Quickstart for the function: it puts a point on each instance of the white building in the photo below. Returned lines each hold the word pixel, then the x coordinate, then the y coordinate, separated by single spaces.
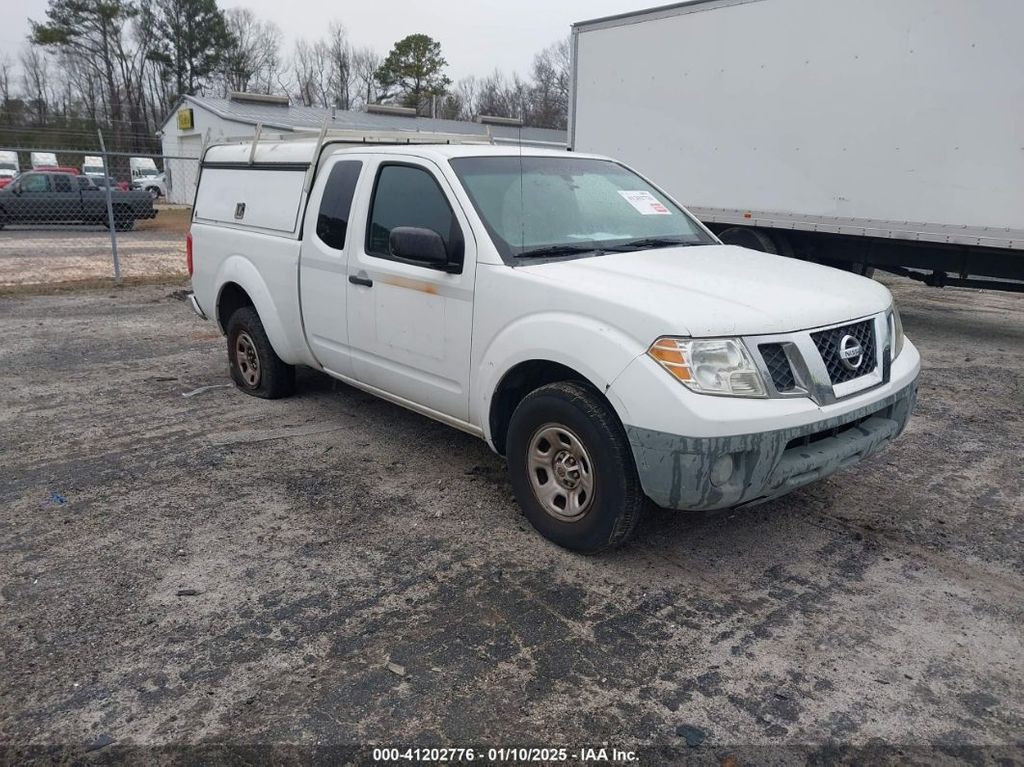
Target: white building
pixel 198 120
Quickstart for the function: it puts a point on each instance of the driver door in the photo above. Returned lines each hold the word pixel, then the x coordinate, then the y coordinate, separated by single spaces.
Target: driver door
pixel 410 323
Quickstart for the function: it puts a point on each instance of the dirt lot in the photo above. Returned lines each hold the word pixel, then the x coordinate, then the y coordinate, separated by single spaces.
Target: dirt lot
pixel 331 569
pixel 36 255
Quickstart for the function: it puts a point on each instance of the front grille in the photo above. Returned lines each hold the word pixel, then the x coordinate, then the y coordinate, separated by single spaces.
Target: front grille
pixel 829 342
pixel 777 362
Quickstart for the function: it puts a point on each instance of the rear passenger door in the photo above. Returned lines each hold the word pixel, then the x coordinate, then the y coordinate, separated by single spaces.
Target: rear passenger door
pixel 410 323
pixel 323 263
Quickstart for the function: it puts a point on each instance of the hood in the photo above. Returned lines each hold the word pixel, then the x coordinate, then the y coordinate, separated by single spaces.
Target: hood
pixel 719 290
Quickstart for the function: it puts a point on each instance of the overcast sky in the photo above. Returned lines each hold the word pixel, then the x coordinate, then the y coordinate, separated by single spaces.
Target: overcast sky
pixel 476 35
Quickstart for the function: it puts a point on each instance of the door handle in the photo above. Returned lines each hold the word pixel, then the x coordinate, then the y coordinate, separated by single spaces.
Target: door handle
pixel 357 280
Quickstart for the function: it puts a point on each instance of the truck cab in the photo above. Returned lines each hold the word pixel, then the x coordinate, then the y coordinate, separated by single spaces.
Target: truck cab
pixel 559 306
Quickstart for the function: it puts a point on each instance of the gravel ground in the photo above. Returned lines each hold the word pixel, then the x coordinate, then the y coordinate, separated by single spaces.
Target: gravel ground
pixel 37 256
pixel 331 569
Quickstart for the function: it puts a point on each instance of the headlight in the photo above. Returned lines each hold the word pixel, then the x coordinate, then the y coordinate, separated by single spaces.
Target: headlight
pixel 895 331
pixel 709 366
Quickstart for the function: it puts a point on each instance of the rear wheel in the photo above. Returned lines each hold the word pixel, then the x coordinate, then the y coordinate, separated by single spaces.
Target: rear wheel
pixel 255 367
pixel 154 192
pixel 572 469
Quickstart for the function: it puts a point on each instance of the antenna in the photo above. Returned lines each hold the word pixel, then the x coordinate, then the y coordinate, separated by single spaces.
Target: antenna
pixel 522 195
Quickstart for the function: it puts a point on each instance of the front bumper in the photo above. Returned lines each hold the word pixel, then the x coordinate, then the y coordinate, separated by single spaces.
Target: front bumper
pixel 676 472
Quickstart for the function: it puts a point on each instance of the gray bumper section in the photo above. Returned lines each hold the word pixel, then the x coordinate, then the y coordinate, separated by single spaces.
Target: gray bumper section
pixel 676 471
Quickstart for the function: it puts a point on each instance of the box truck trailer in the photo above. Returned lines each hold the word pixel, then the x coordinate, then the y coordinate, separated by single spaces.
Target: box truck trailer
pixel 8 164
pixel 43 160
pixel 863 135
pixel 93 166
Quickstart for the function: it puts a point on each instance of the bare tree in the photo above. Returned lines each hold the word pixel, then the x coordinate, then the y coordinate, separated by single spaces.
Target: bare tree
pixel 549 91
pixel 342 77
pixel 35 79
pixel 312 74
pixel 502 96
pixel 253 63
pixel 365 63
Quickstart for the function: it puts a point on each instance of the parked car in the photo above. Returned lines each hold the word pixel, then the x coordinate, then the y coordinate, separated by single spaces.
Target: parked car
pixel 66 198
pixel 104 181
pixel 559 306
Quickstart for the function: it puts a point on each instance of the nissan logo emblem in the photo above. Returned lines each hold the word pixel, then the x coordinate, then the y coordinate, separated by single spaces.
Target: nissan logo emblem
pixel 851 353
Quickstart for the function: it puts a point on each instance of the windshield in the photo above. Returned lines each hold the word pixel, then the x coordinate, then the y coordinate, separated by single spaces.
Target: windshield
pixel 540 207
pixel 147 172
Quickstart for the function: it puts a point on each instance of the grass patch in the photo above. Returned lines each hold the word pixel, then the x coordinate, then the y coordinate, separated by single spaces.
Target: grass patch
pixel 167 220
pixel 107 283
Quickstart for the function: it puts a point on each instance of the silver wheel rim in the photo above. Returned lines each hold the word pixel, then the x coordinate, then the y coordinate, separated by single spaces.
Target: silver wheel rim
pixel 561 473
pixel 248 360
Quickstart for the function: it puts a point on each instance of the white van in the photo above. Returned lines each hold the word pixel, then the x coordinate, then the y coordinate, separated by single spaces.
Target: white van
pixel 557 305
pixel 93 166
pixel 8 165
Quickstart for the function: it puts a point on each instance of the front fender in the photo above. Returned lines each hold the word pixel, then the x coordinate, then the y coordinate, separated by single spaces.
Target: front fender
pixel 240 270
pixel 590 346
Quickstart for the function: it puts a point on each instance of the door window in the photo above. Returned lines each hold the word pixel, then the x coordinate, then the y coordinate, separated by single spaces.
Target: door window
pixel 409 196
pixel 332 221
pixel 35 182
pixel 61 183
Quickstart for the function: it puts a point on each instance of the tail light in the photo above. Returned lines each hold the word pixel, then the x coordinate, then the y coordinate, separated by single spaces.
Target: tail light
pixel 188 253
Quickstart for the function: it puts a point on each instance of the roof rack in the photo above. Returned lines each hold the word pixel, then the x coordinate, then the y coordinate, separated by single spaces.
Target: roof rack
pixel 301 150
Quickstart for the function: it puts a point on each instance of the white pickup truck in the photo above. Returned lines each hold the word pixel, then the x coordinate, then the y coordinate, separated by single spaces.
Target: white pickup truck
pixel 557 305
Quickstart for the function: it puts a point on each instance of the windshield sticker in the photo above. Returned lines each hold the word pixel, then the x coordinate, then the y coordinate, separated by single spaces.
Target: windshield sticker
pixel 645 203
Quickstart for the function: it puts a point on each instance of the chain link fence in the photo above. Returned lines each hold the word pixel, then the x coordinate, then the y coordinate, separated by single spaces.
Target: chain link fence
pixel 73 215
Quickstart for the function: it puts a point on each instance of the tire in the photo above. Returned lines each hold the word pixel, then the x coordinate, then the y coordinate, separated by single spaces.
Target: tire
pixel 123 221
pixel 154 193
pixel 748 237
pixel 573 416
pixel 263 374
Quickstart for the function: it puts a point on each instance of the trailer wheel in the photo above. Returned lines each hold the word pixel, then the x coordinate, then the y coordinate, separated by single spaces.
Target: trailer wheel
pixel 748 237
pixel 255 367
pixel 572 468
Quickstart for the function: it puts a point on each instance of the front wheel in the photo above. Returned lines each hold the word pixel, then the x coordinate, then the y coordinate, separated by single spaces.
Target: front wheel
pixel 572 469
pixel 255 367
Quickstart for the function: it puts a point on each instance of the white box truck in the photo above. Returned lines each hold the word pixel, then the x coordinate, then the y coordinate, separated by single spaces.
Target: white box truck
pixel 42 160
pixel 8 165
pixel 559 306
pixel 864 134
pixel 92 165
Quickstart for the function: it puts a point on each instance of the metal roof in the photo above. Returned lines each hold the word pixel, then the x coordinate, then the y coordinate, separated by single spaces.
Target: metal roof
pixel 296 117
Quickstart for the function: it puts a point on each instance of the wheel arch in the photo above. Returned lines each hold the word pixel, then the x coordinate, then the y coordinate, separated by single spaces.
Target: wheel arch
pixel 523 378
pixel 241 284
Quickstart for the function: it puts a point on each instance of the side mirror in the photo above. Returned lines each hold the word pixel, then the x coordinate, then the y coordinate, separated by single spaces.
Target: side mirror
pixel 412 243
pixel 16 189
